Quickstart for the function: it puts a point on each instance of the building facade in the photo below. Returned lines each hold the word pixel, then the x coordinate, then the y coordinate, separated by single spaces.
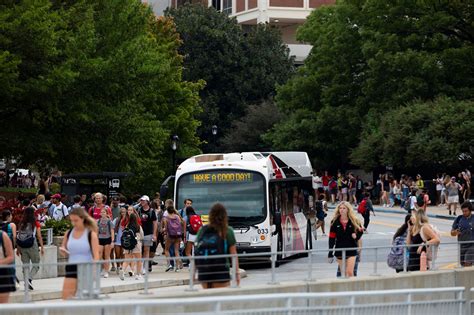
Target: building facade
pixel 286 15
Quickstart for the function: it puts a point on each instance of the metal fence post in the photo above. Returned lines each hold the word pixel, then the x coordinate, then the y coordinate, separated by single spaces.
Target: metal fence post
pixel 375 273
pixel 409 304
pixel 433 257
pixel 273 257
pixel 343 265
pixel 146 263
pixel 352 304
pixel 310 265
pixel 460 299
pixel 233 283
pixel 459 255
pixel 26 276
pixel 95 285
pixel 192 271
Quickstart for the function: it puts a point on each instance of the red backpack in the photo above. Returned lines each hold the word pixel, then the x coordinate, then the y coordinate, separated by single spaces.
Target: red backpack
pixel 195 224
pixel 362 206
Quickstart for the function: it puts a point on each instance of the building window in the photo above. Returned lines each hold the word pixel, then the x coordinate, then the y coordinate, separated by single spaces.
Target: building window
pixel 216 4
pixel 227 7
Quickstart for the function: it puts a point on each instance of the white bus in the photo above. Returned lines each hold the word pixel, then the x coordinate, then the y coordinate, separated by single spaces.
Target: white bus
pixel 267 196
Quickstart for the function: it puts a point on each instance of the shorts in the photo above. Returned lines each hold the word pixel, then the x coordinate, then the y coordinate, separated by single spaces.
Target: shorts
pixel 453 199
pixel 71 271
pixel 136 250
pixel 147 240
pixel 344 190
pixel 191 238
pixel 213 274
pixel 7 279
pixel 352 191
pixel 334 191
pixel 105 241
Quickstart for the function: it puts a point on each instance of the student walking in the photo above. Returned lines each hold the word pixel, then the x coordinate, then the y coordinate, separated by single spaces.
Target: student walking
pixel 106 238
pixel 175 229
pixel 193 225
pixel 7 272
pixel 397 256
pixel 364 209
pixel 321 213
pixel 421 233
pixel 463 228
pixel 345 232
pixel 216 238
pixel 132 243
pixel 81 245
pixel 119 225
pixel 27 238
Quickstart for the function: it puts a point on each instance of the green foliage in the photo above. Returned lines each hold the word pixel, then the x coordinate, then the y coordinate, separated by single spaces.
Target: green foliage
pixel 240 67
pixel 420 134
pixel 94 86
pixel 59 227
pixel 246 133
pixel 370 57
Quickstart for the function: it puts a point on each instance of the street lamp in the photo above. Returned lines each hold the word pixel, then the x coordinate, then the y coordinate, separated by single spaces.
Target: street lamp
pixel 214 134
pixel 174 147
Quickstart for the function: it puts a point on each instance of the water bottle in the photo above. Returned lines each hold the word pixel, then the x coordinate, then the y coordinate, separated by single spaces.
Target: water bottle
pixel 423 262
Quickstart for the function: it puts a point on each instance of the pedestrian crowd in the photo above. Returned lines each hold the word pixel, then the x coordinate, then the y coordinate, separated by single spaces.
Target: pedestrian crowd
pixel 124 234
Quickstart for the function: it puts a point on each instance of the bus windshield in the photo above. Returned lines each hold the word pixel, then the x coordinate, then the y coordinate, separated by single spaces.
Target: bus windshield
pixel 241 192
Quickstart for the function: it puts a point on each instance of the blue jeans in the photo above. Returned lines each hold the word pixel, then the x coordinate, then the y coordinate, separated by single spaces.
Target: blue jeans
pixel 405 193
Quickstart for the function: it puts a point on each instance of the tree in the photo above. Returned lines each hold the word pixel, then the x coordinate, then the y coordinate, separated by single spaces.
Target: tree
pixel 239 68
pixel 95 86
pixel 369 57
pixel 246 133
pixel 420 134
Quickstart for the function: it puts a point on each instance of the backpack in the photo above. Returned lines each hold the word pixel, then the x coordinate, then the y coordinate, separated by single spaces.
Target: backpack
pixel 318 206
pixel 395 258
pixel 208 244
pixel 333 184
pixel 420 200
pixel 362 208
pixel 25 238
pixel 128 239
pixel 195 224
pixel 431 252
pixel 174 227
pixel 407 205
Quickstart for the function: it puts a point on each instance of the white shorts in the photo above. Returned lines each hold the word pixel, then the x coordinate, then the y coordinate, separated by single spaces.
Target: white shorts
pixel 191 238
pixel 453 199
pixel 148 240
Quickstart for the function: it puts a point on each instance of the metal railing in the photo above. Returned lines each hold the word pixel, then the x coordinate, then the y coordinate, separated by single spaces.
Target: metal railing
pixel 373 262
pixel 408 301
pixel 47 235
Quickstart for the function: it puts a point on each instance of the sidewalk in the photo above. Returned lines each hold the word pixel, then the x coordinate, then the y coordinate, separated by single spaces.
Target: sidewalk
pixel 431 211
pixel 51 289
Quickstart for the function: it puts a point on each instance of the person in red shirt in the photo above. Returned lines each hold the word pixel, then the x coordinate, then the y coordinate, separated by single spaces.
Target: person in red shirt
pixel 99 204
pixel 326 178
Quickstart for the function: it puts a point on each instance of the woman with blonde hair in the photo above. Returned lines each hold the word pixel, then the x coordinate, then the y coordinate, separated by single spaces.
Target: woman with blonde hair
pixel 345 232
pixel 81 244
pixel 421 233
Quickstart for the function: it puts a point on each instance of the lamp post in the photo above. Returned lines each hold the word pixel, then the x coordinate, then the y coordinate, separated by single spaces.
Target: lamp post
pixel 214 134
pixel 174 147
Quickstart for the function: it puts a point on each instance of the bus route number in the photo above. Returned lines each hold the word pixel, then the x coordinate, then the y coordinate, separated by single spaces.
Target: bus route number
pixel 262 231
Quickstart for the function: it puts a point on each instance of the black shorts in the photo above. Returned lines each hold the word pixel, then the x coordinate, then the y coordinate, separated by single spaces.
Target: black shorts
pixel 213 274
pixel 7 279
pixel 71 271
pixel 105 241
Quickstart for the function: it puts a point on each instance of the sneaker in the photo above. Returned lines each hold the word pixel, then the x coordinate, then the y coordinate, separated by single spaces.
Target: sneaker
pixel 119 270
pixel 113 269
pixel 176 269
pixel 154 263
pixel 130 273
pixel 169 268
pixel 121 275
pixel 30 284
pixel 138 277
pixel 106 275
pixel 150 269
pixel 449 212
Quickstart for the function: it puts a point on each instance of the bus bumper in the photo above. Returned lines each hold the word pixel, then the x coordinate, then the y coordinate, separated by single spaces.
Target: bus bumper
pixel 264 250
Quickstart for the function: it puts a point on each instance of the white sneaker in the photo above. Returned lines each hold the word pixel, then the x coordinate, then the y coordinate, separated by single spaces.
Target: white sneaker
pixel 138 277
pixel 176 269
pixel 121 275
pixel 106 275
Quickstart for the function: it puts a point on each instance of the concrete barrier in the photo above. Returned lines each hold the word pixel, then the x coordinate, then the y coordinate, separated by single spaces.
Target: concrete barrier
pixel 49 271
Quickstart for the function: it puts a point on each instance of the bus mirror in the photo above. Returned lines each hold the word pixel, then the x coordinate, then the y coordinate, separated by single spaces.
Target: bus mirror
pixel 163 191
pixel 277 218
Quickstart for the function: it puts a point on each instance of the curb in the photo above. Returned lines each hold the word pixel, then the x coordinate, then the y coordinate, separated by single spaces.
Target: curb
pixel 18 296
pixel 389 210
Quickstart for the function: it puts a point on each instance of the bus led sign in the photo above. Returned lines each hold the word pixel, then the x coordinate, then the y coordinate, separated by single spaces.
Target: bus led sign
pixel 236 177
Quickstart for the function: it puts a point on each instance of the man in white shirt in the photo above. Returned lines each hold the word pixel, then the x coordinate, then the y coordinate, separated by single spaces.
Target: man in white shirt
pixel 317 184
pixel 59 210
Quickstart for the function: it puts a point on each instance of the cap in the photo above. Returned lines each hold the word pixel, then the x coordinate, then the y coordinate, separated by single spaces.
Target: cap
pixel 56 196
pixel 145 197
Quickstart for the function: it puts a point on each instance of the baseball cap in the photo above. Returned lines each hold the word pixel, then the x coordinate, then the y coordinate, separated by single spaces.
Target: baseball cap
pixel 56 196
pixel 145 197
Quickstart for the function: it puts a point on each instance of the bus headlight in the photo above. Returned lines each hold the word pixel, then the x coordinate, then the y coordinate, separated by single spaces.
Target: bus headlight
pixel 258 239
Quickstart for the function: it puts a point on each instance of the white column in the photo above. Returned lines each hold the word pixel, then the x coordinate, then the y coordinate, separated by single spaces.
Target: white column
pixel 306 4
pixel 234 7
pixel 222 5
pixel 262 8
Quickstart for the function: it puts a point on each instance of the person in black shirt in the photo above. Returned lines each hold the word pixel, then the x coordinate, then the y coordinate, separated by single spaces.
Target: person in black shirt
pixel 149 225
pixel 346 230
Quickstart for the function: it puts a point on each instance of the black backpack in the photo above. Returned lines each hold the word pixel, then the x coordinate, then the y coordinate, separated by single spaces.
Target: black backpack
pixel 128 239
pixel 207 245
pixel 420 200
